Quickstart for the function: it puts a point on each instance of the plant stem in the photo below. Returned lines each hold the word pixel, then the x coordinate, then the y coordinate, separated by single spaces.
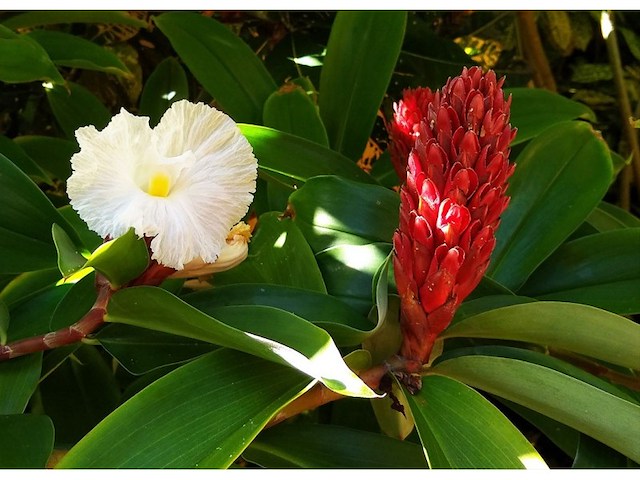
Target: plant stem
pixel 93 319
pixel 625 112
pixel 534 51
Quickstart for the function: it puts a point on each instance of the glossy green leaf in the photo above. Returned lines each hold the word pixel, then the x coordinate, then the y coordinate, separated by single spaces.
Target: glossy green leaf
pixel 605 417
pixel 75 304
pixel 43 17
pixel 344 324
pixel 279 255
pixel 23 161
pixel 294 160
pixel 167 84
pixel 349 270
pixel 18 380
pixel 22 59
pixel 362 52
pixel 459 428
pixel 203 414
pixel 27 441
pixel 25 223
pixel 568 326
pixel 611 217
pixel 291 110
pixel 140 350
pixel 51 154
pixel 331 446
pixel 69 259
pixel 73 51
pixel 27 285
pixel 74 106
pixel 221 62
pixel 542 359
pixel 485 304
pixel 534 110
pixel 267 332
pixel 333 211
pixel 90 240
pixel 79 393
pixel 560 178
pixel 121 259
pixel 602 270
pixel 4 322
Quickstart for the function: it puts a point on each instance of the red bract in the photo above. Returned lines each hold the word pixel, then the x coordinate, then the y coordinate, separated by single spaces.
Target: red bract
pixel 453 147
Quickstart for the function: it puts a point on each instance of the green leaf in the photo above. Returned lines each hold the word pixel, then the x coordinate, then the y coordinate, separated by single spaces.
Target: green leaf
pixel 534 110
pixel 69 259
pixel 593 454
pixel 362 52
pixel 278 255
pixel 79 393
pixel 4 322
pixel 568 326
pixel 35 19
pixel 25 222
pixel 18 380
pixel 610 217
pixel 607 418
pixel 75 107
pixel 22 59
pixel 459 428
pixel 560 178
pixel 24 162
pixel 72 51
pixel 140 350
pixel 331 446
pixel 602 270
pixel 167 84
pixel 291 110
pixel 267 332
pixel 294 160
pixel 203 414
pixel 349 270
pixel 392 422
pixel 121 259
pixel 32 317
pixel 27 442
pixel 27 285
pixel 344 324
pixel 221 62
pixel 632 40
pixel 51 154
pixel 90 240
pixel 333 211
pixel 75 304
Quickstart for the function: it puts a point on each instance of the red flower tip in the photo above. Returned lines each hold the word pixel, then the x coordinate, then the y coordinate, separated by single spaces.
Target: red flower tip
pixel 452 149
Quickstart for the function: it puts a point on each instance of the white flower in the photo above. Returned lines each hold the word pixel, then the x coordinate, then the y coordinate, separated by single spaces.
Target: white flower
pixel 185 183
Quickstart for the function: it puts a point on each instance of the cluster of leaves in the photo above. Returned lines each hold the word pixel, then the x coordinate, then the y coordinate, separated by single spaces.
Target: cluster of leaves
pixel 189 377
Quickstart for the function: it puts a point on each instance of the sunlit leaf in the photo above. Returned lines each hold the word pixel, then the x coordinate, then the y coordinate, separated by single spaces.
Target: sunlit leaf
pixel 203 414
pixel 461 429
pixel 605 417
pixel 568 326
pixel 362 51
pixel 560 178
pixel 223 64
pixel 267 332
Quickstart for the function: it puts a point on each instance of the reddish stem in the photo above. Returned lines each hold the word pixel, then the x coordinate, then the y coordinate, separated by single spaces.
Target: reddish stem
pixel 65 336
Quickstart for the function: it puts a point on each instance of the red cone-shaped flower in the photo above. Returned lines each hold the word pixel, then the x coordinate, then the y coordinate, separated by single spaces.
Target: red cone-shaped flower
pixel 454 147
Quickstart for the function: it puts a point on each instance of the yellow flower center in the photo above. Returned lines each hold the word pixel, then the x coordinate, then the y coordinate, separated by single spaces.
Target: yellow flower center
pixel 159 184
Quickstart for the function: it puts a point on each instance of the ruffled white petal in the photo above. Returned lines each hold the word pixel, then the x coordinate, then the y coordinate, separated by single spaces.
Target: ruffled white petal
pixel 212 172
